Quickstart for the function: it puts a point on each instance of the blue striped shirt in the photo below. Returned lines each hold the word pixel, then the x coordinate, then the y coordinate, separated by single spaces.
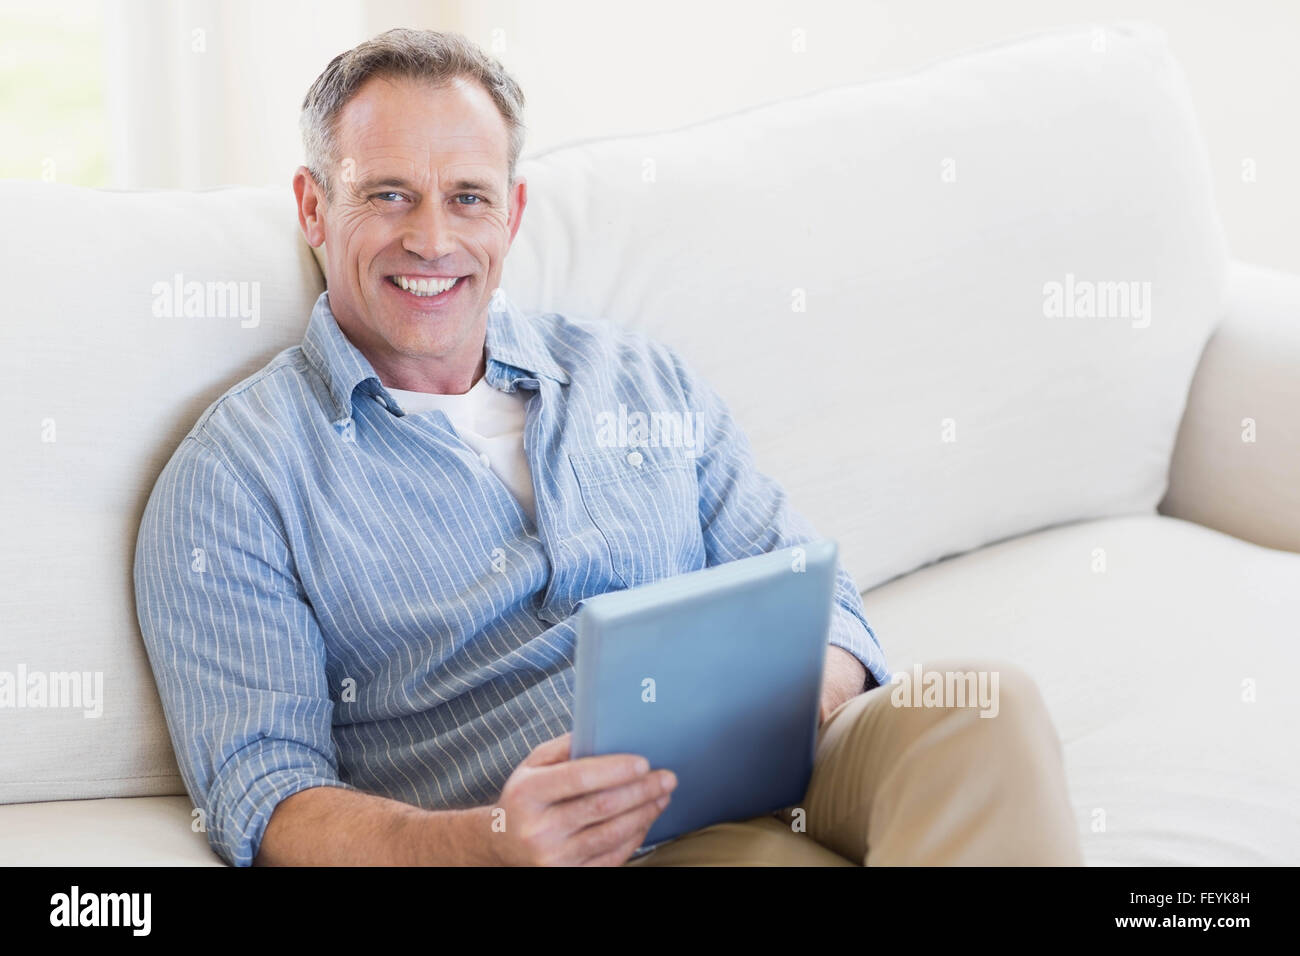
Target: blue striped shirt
pixel 333 592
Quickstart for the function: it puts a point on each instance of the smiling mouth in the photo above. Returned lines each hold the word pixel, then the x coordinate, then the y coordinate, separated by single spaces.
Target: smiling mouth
pixel 426 286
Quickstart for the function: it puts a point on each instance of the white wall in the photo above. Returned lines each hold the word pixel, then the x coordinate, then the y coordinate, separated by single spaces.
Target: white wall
pixel 594 67
pixel 599 67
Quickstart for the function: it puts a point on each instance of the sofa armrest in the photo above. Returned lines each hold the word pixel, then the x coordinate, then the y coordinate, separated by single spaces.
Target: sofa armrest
pixel 1236 464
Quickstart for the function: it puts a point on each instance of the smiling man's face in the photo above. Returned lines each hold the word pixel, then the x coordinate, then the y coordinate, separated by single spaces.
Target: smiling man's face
pixel 420 195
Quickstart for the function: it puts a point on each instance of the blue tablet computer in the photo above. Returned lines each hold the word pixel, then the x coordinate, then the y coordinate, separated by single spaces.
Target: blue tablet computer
pixel 715 675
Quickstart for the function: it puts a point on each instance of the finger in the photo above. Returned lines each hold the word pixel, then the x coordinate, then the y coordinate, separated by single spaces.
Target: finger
pixel 608 835
pixel 574 778
pixel 624 851
pixel 615 857
pixel 555 750
pixel 584 810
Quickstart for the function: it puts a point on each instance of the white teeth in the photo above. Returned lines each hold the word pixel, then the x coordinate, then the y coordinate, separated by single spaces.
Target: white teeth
pixel 424 287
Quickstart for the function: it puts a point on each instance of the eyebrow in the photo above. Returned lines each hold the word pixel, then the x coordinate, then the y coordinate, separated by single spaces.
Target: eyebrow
pixel 375 182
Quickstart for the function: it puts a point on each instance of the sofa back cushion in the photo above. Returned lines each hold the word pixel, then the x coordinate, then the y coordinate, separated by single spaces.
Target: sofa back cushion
pixel 105 369
pixel 948 308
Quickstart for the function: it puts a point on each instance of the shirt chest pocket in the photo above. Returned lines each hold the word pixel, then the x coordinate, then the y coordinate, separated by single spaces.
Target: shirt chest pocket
pixel 645 502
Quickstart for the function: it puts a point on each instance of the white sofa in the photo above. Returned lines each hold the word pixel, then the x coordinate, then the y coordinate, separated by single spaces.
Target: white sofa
pixel 867 275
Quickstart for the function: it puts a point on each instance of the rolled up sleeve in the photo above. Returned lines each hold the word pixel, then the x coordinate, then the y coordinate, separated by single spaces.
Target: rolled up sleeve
pixel 235 648
pixel 744 512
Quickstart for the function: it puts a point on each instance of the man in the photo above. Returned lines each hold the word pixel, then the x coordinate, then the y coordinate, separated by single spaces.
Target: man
pixel 356 577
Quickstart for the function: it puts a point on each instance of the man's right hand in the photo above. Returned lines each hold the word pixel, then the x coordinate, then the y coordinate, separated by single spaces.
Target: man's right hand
pixel 590 812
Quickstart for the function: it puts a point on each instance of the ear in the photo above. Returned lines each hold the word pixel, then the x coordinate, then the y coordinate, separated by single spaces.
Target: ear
pixel 311 211
pixel 518 200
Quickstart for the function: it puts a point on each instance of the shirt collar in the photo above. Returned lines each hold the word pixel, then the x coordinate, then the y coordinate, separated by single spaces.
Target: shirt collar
pixel 512 341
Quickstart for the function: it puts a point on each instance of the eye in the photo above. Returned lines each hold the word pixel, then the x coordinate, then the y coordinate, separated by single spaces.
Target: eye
pixel 382 195
pixel 471 196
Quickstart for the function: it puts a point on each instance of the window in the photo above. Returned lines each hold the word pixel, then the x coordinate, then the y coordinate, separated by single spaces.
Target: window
pixel 52 117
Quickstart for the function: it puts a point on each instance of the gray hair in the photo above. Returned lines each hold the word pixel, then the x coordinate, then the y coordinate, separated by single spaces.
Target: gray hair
pixel 437 58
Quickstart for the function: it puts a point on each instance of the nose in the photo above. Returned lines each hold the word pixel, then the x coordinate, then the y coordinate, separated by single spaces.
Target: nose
pixel 428 231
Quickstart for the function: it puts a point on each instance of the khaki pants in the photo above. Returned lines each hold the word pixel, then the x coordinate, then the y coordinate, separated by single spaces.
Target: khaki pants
pixel 914 786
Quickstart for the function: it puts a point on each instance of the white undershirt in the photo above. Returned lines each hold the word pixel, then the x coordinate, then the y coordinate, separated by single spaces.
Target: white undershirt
pixel 492 423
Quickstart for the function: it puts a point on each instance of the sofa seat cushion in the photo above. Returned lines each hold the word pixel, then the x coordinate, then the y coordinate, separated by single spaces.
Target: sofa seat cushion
pixel 126 831
pixel 1164 652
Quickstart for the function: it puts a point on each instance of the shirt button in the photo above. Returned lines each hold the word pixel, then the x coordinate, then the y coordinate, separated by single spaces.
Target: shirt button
pixel 483 457
pixel 634 458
